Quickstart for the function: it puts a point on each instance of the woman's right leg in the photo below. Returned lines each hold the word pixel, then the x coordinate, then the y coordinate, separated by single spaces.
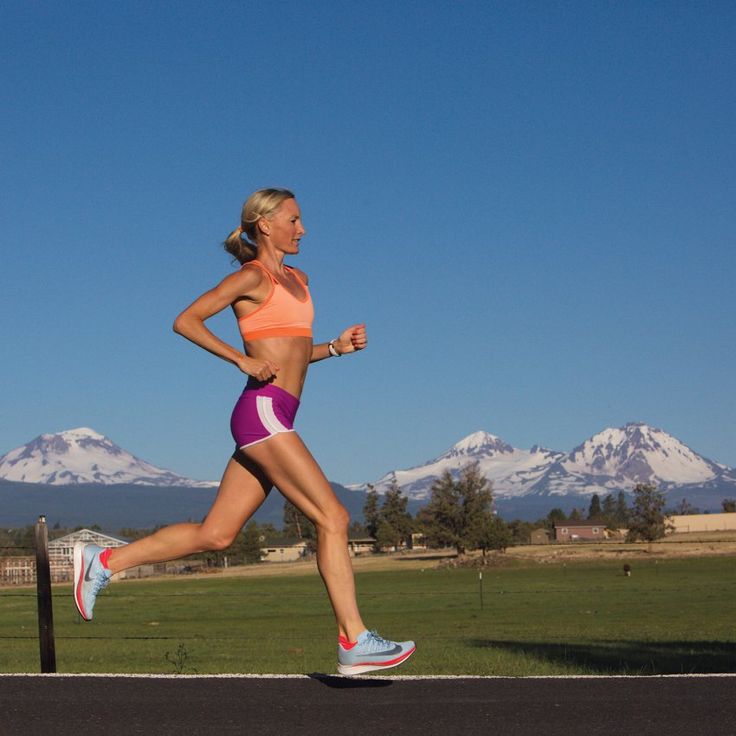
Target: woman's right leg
pixel 243 489
pixel 293 470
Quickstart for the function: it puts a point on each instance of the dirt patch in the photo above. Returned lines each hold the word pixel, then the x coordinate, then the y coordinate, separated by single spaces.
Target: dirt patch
pixel 674 546
pixel 477 562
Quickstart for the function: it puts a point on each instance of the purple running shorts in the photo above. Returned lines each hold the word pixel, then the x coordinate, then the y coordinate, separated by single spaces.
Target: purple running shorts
pixel 261 412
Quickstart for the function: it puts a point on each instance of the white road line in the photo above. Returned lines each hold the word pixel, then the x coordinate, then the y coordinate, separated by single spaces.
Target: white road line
pixel 365 677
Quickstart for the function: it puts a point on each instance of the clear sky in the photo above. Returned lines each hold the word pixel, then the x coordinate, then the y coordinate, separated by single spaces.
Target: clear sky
pixel 531 205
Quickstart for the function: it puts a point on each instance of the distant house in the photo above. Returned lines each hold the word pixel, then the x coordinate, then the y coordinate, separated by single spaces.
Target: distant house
pixel 61 552
pixel 589 530
pixel 540 536
pixel 17 570
pixel 361 546
pixel 418 541
pixel 283 549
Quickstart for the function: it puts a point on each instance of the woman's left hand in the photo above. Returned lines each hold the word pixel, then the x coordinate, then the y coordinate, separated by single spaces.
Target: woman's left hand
pixel 352 339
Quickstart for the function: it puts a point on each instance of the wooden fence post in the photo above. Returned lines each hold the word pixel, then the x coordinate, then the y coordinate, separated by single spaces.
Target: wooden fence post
pixel 43 591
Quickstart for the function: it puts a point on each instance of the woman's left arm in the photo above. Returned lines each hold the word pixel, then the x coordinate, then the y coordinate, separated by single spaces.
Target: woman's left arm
pixel 351 340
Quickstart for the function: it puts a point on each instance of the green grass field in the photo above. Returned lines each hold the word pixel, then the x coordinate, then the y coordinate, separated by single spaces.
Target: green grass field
pixel 671 616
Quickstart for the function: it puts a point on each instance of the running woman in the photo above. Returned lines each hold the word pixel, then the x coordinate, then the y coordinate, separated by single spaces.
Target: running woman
pixel 273 306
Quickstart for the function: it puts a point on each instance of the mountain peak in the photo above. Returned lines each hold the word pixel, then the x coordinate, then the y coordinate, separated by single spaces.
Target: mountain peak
pixel 83 455
pixel 640 453
pixel 79 432
pixel 477 444
pixel 477 439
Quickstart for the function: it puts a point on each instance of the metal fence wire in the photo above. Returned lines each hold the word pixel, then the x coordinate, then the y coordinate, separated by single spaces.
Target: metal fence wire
pixel 45 599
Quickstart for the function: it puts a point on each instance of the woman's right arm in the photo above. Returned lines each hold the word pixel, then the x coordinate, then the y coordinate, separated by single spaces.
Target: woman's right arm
pixel 191 323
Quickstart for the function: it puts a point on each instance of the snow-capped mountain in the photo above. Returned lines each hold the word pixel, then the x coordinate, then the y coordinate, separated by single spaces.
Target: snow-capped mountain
pixel 84 456
pixel 612 460
pixel 511 470
pixel 617 459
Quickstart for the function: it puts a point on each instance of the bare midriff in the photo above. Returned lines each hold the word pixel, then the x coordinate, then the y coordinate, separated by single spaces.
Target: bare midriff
pixel 290 354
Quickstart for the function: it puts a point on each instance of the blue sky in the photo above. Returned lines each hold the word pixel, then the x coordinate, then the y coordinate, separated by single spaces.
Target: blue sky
pixel 531 205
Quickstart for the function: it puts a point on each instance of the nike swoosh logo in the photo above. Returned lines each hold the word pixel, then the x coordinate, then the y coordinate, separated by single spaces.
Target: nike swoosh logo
pixel 86 575
pixel 393 650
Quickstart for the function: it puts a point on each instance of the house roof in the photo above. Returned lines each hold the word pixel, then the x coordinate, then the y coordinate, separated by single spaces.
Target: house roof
pixel 581 523
pixel 284 542
pixel 79 533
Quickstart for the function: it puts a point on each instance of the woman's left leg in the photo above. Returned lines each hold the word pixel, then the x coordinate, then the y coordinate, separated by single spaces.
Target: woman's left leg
pixel 242 490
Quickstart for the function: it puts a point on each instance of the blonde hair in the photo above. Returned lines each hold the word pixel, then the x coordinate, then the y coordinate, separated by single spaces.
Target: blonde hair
pixel 242 243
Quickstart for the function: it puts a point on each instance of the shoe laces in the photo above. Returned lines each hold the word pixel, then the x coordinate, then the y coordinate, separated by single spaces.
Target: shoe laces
pixel 101 581
pixel 374 641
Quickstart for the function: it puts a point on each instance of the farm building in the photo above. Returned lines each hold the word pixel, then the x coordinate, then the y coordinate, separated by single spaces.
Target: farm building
pixel 540 536
pixel 17 570
pixel 361 546
pixel 703 523
pixel 61 551
pixel 589 530
pixel 283 550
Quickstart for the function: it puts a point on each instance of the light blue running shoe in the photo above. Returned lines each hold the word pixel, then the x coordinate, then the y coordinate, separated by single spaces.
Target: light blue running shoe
pixel 371 652
pixel 90 577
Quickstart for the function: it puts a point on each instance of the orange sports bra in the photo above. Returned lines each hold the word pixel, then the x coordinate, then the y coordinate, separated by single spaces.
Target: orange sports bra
pixel 281 314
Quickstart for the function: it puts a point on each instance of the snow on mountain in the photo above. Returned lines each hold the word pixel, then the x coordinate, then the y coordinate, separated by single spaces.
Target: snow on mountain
pixel 617 459
pixel 612 460
pixel 512 470
pixel 84 456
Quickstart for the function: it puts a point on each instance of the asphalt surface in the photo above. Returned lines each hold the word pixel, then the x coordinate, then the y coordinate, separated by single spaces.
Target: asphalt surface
pixel 323 704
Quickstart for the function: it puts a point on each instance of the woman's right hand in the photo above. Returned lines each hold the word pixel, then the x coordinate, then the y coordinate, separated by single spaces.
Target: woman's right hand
pixel 261 370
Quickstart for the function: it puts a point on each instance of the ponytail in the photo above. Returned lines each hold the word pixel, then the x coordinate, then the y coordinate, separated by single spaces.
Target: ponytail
pixel 239 247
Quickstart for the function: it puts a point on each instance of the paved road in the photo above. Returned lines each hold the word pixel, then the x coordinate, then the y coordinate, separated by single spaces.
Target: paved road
pixel 320 704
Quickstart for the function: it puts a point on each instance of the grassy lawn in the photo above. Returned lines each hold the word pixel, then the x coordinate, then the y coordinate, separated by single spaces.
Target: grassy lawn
pixel 671 616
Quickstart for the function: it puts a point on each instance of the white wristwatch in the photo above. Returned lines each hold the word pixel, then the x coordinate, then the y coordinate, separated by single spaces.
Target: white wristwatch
pixel 331 349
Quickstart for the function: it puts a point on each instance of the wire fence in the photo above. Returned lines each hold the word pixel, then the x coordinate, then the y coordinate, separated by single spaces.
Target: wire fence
pixel 416 599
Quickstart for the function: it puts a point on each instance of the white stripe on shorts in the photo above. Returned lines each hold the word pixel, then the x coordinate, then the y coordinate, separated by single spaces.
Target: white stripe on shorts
pixel 264 405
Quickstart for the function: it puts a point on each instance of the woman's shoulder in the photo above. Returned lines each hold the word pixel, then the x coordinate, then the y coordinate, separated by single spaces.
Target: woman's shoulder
pixel 246 278
pixel 303 276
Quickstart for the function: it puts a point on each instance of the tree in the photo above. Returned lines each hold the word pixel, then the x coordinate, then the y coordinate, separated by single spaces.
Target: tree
pixel 555 516
pixel 609 511
pixel 386 536
pixel 440 517
pixel 296 524
pixel 458 510
pixel 18 542
pixel 268 531
pixel 371 512
pixel 621 514
pixel 729 505
pixel 495 535
pixel 521 531
pixel 684 508
pixel 647 519
pixel 576 515
pixel 250 544
pixel 357 529
pixel 395 523
pixel 594 510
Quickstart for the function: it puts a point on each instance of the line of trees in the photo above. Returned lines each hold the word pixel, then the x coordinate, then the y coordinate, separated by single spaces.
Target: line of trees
pixel 459 514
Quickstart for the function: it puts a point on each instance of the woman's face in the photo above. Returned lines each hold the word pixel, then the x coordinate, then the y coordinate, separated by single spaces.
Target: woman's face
pixel 285 227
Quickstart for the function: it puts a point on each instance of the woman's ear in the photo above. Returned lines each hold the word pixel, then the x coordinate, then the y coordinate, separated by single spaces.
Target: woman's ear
pixel 263 226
